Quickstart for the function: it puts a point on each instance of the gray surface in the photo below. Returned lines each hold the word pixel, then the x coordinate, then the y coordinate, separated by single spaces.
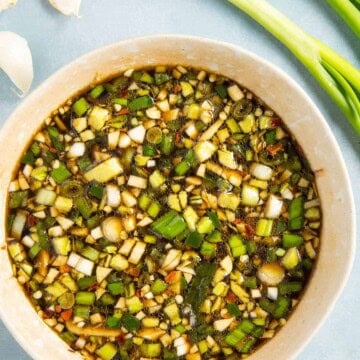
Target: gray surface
pixel 55 40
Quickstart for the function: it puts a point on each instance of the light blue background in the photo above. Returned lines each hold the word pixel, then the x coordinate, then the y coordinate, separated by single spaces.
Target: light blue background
pixel 56 40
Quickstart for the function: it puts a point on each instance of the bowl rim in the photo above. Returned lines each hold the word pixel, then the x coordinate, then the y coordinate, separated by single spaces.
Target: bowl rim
pixel 53 79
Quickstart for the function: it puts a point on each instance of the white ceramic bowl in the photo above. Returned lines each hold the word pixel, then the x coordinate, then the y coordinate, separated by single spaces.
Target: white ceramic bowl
pixel 266 81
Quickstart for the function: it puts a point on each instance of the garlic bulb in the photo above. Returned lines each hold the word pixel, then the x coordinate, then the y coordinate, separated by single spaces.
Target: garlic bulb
pixel 5 4
pixel 16 60
pixel 67 7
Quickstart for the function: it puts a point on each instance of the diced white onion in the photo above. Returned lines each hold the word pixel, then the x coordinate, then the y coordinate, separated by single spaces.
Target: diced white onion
pixel 85 266
pixel 151 163
pixel 261 171
pixel 273 207
pixel 226 264
pixel 255 293
pixel 124 141
pixel 77 149
pixel 73 259
pixel 235 93
pixel 113 197
pixel 311 203
pixel 137 134
pixel 28 241
pixel 222 324
pixel 18 224
pixel 153 113
pixel 137 181
pixel 272 293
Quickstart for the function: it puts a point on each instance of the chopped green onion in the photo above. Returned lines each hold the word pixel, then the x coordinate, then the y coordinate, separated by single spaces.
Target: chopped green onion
pixel 194 240
pixel 292 240
pixel 96 92
pixel 107 351
pixel 251 282
pixel 215 219
pixel 54 136
pixel 96 190
pixel 140 103
pixel 116 288
pixel 264 227
pixel 233 309
pixel 112 322
pixel 221 91
pixel 169 225
pixel 60 174
pixel 130 322
pixel 237 245
pixel 85 298
pixel 199 285
pixel 154 209
pixel 158 287
pixel 296 213
pixel 149 150
pixel 84 206
pixel 290 287
pixel 82 311
pixel 80 107
pixel 86 282
pixel 44 241
pixel 282 306
pixel 150 350
pixel 208 249
pixel 18 199
pixel 154 135
pixel 161 78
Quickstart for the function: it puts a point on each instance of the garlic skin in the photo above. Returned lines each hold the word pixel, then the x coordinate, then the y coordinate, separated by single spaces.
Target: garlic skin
pixel 66 7
pixel 6 4
pixel 16 60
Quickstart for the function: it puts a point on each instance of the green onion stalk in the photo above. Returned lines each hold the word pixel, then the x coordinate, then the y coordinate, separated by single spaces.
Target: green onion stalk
pixel 349 10
pixel 334 73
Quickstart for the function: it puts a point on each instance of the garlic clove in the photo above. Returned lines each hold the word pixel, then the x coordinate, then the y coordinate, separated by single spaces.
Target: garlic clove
pixel 16 60
pixel 67 7
pixel 5 4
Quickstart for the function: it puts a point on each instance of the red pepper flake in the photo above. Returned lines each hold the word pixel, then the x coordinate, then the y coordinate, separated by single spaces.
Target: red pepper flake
pixel 238 221
pixel 64 268
pixel 123 111
pixel 231 297
pixel 249 230
pixel 93 287
pixel 66 314
pixel 58 308
pixel 124 93
pixel 274 149
pixel 133 271
pixel 172 277
pixel 274 122
pixel 120 339
pixel 177 137
pixel 47 314
pixel 177 88
pixel 32 220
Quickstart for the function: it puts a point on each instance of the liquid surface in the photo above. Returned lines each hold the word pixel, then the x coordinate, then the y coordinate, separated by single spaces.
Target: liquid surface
pixel 164 214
